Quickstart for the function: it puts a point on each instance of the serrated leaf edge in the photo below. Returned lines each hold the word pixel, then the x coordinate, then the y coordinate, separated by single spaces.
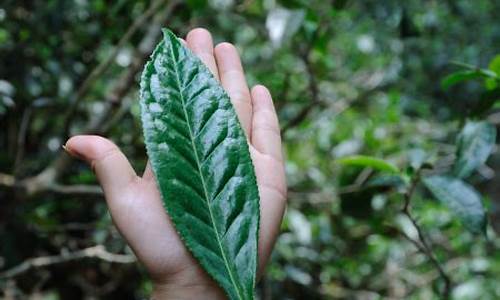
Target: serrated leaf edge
pixel 173 38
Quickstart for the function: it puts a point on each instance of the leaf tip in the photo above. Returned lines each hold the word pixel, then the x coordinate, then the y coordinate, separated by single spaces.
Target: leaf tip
pixel 168 35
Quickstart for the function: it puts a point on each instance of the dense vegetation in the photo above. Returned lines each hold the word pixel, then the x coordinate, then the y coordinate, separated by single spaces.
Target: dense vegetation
pixel 389 157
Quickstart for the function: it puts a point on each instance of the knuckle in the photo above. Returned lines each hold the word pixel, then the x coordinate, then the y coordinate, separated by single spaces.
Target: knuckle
pixel 268 127
pixel 239 96
pixel 110 152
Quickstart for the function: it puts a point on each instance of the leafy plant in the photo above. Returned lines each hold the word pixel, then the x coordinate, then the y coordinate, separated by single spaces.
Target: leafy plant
pixel 474 144
pixel 461 198
pixel 465 75
pixel 490 77
pixel 357 77
pixel 202 164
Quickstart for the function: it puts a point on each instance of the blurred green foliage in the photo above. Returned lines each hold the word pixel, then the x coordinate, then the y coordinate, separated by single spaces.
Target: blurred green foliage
pixel 392 80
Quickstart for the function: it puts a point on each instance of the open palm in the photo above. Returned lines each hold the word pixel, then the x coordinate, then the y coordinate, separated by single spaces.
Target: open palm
pixel 135 203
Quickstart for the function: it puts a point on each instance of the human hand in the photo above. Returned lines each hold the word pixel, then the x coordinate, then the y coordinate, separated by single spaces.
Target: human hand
pixel 135 203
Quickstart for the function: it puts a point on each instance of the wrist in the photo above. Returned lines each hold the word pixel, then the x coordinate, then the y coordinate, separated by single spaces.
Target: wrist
pixel 173 291
pixel 182 282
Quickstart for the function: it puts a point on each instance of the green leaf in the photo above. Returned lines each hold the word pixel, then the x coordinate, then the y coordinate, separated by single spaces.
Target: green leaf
pixel 369 162
pixel 201 160
pixel 492 83
pixel 390 181
pixel 474 145
pixel 461 198
pixel 417 158
pixel 483 72
pixel 495 64
pixel 458 77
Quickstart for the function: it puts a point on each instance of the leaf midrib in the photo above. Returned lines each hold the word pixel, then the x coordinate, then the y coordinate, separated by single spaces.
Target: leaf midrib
pixel 198 165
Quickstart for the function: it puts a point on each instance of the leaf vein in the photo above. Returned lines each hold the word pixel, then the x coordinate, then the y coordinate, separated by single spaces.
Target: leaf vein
pixel 226 264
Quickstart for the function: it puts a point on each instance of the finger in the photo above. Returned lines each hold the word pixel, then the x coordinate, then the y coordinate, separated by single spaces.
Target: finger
pixel 148 172
pixel 267 153
pixel 272 190
pixel 112 168
pixel 200 42
pixel 266 136
pixel 233 80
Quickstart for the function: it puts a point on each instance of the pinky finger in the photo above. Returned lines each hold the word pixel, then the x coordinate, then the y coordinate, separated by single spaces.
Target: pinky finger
pixel 265 128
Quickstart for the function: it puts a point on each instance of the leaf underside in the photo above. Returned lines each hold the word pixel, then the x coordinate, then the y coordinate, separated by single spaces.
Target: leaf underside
pixel 461 198
pixel 200 157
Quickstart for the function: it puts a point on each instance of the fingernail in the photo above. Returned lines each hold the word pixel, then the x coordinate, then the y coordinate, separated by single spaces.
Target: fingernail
pixel 72 152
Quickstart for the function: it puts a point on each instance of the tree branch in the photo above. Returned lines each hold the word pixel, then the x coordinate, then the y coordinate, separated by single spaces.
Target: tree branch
pixel 432 275
pixel 313 91
pixel 422 244
pixel 98 252
pixel 76 189
pixel 101 68
pixel 9 181
pixel 315 95
pixel 47 178
pixel 21 139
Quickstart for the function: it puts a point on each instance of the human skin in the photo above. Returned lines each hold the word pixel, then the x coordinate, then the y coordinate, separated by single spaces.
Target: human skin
pixel 135 203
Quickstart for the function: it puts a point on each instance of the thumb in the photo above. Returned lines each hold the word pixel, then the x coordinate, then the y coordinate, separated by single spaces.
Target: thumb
pixel 112 168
